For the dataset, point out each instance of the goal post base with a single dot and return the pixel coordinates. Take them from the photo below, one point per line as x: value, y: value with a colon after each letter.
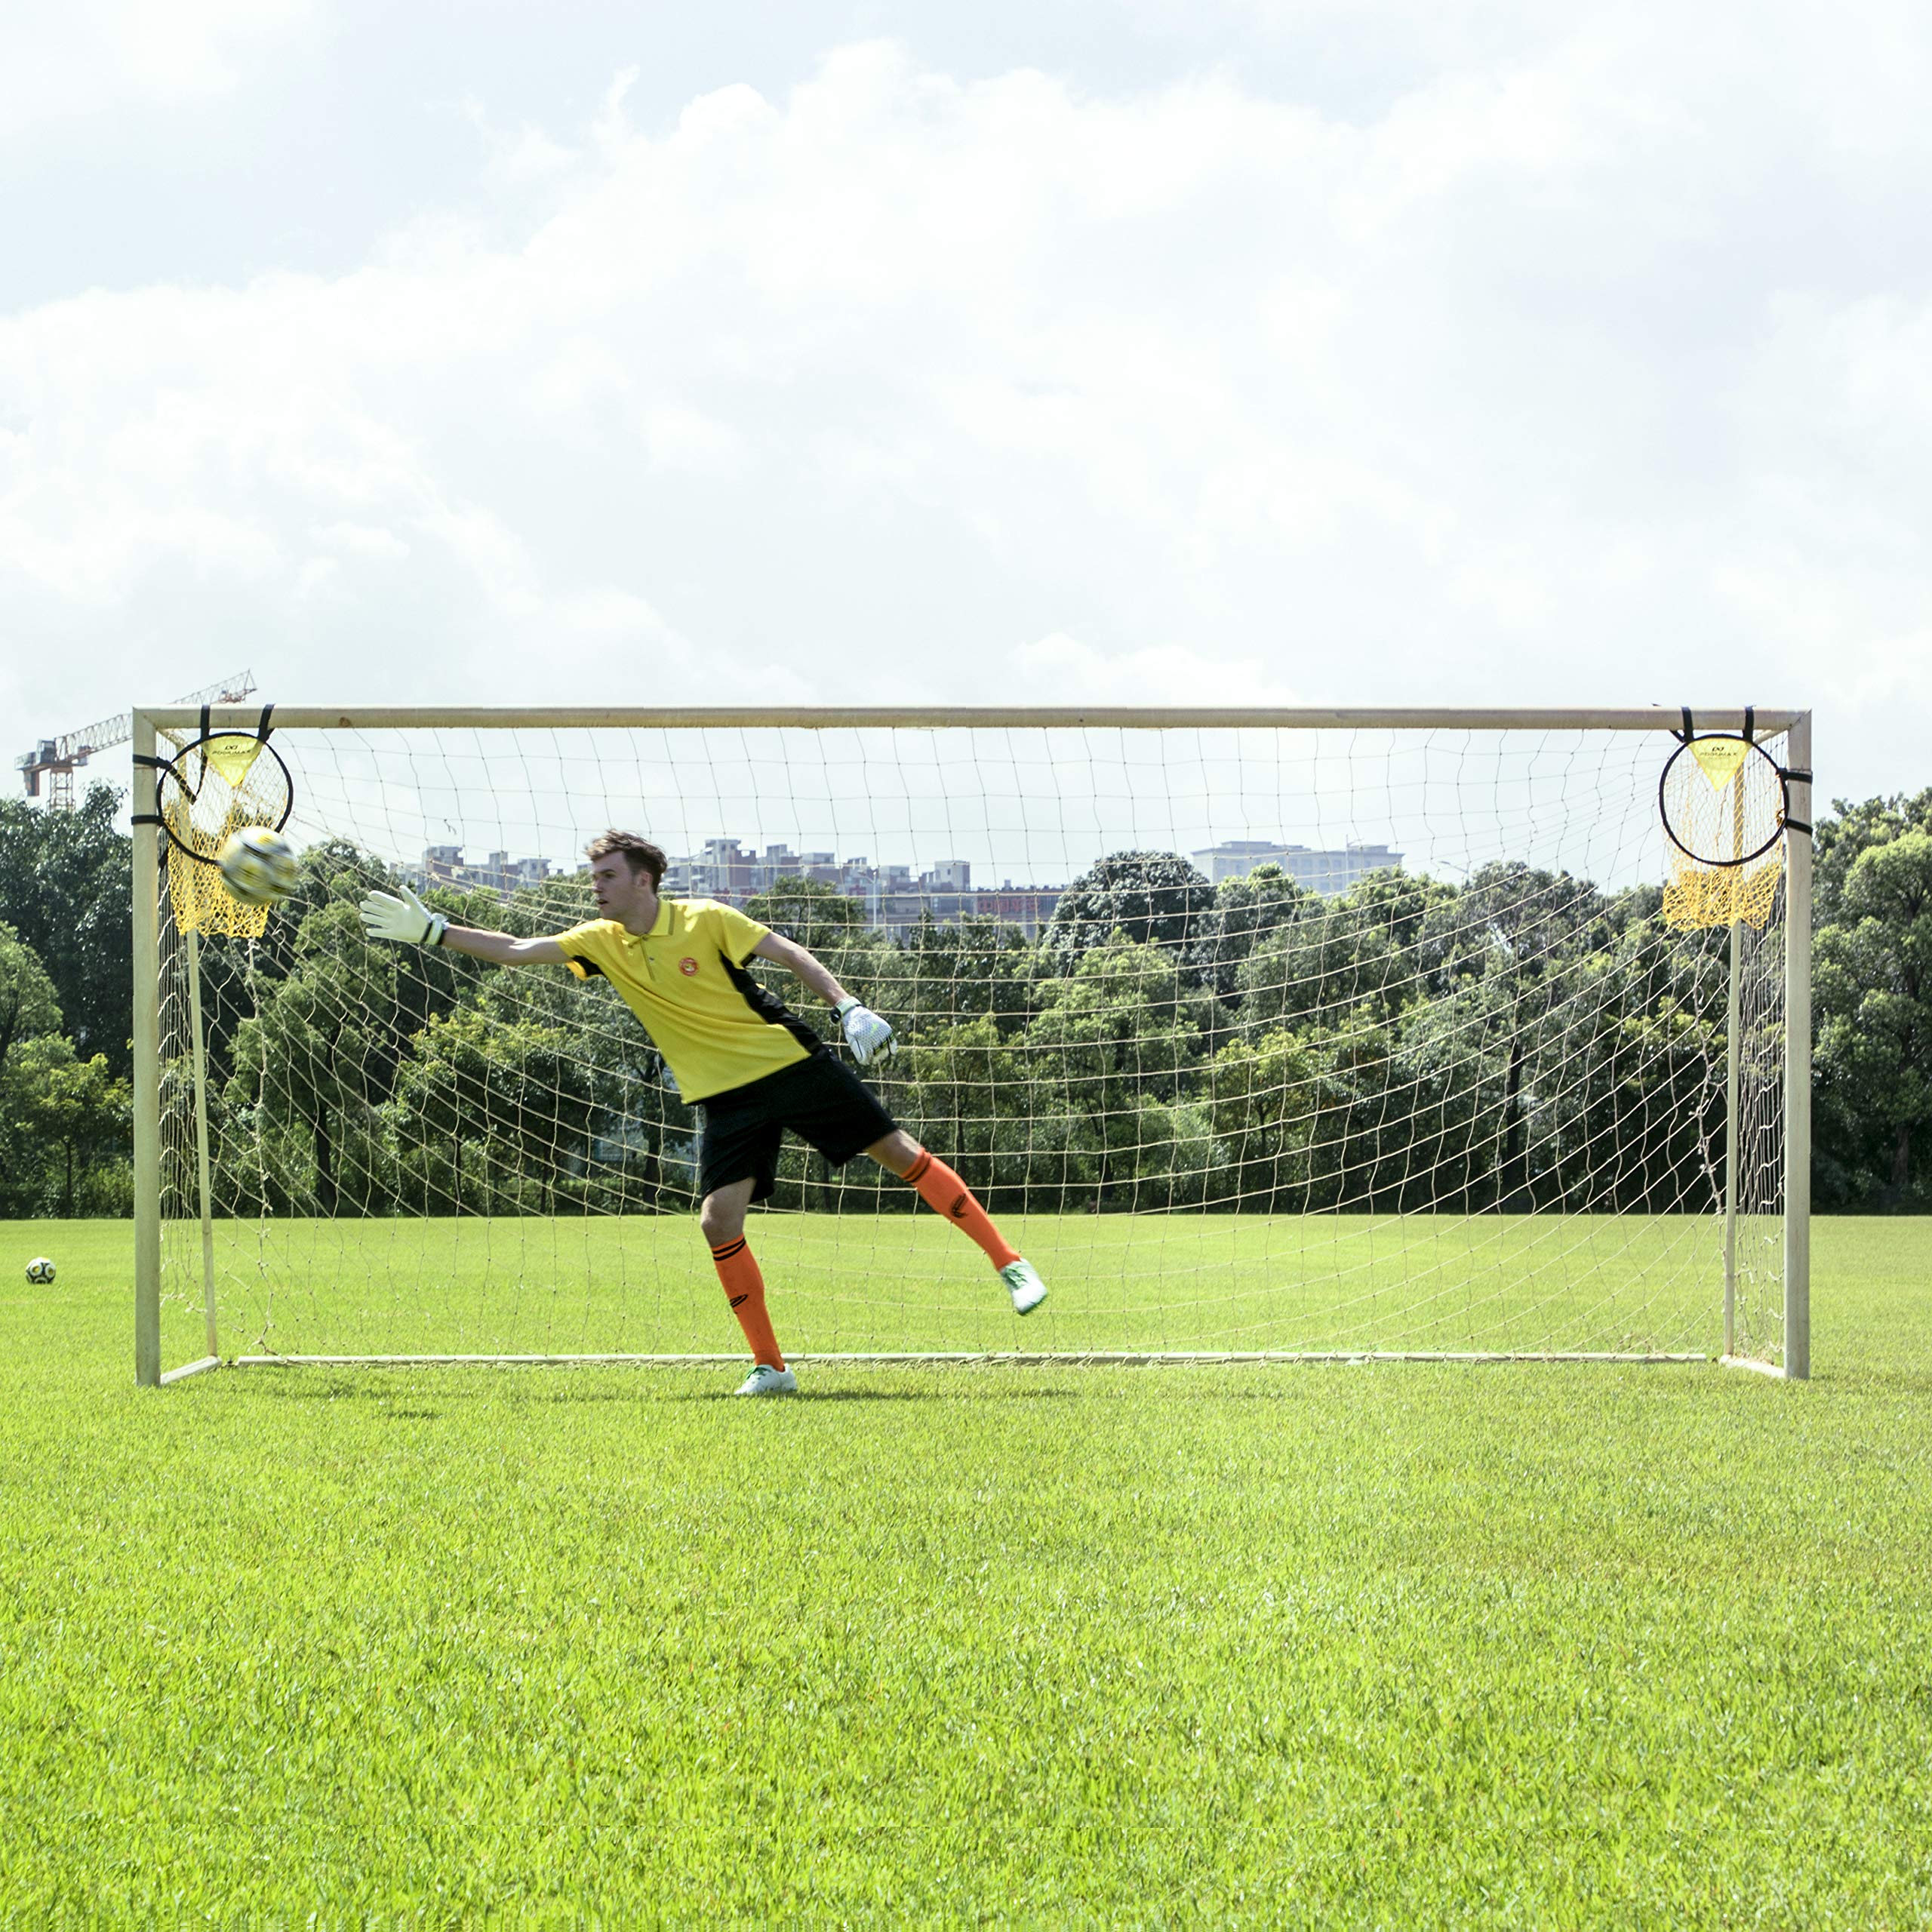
x: 189, y: 1368
x: 1775, y: 1369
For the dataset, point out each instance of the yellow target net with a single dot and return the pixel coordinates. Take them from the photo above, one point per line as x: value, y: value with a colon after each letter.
x: 1722, y: 797
x: 212, y: 787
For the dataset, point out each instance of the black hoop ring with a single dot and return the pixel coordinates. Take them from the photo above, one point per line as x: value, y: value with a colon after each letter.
x: 1751, y: 745
x: 164, y: 770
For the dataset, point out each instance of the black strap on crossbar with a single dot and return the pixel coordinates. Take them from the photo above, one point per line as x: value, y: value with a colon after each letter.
x: 262, y: 729
x: 1749, y: 733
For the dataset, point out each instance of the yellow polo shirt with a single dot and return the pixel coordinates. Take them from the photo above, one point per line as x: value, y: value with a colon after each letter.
x: 686, y: 980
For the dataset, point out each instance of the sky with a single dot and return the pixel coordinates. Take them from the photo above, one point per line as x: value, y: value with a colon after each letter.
x: 1325, y: 352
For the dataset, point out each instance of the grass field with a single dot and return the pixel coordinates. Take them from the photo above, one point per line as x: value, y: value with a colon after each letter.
x: 1390, y: 1644
x: 873, y: 1283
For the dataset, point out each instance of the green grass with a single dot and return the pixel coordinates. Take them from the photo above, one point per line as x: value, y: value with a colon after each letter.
x: 1390, y: 1644
x: 870, y: 1283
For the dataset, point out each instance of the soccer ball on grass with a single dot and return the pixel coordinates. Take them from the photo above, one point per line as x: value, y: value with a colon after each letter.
x: 40, y: 1271
x: 259, y: 866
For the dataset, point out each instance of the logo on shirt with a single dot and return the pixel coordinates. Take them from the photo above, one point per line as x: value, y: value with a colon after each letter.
x: 688, y: 967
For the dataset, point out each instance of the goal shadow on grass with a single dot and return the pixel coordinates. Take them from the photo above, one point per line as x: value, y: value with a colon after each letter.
x: 981, y: 1392
x: 458, y: 1390
x: 464, y: 1388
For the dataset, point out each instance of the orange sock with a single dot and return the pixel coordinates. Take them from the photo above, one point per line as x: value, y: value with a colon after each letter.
x: 744, y: 1288
x: 943, y: 1191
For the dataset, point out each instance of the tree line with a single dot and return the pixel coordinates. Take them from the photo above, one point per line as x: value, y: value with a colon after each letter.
x: 1520, y: 1041
x: 66, y: 1009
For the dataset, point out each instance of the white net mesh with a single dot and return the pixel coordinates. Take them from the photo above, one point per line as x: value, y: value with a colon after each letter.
x: 1262, y: 1040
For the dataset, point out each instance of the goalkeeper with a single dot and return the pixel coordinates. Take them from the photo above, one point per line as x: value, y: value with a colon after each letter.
x: 752, y: 1066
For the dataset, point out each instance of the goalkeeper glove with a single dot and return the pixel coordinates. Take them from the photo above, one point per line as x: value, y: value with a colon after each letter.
x: 407, y: 920
x: 868, y: 1035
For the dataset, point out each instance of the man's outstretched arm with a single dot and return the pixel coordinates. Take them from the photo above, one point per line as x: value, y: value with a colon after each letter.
x: 794, y: 958
x: 407, y: 921
x: 868, y: 1036
x: 500, y: 949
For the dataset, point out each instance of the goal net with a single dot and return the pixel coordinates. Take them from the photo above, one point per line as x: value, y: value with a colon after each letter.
x: 1260, y: 1034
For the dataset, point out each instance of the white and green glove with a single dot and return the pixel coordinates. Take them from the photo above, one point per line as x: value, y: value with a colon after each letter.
x: 407, y: 920
x: 866, y: 1034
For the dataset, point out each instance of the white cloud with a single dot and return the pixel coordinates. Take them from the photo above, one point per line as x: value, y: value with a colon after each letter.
x: 1060, y: 669
x: 1574, y: 375
x: 360, y: 539
x: 679, y: 438
x: 526, y: 158
x: 91, y: 57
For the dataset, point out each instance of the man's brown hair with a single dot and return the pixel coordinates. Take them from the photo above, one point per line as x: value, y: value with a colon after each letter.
x: 639, y: 853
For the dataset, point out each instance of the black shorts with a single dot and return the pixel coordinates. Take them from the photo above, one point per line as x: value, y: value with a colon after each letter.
x: 821, y: 1099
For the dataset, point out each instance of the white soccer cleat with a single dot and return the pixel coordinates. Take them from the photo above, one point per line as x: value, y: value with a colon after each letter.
x: 766, y: 1380
x: 1028, y: 1290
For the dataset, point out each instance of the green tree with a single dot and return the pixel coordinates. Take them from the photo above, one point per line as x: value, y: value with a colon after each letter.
x: 29, y: 1005
x: 1084, y: 1105
x: 1516, y: 934
x: 81, y: 1108
x: 66, y: 888
x: 818, y: 916
x: 1102, y: 1066
x: 1872, y: 994
x: 1381, y: 944
x: 520, y: 1092
x: 25, y: 1159
x: 320, y: 1054
x: 1153, y: 898
x: 1360, y: 1140
x: 1261, y: 1096
x: 238, y: 978
x: 942, y: 974
x: 31, y: 1044
x: 1567, y: 1073
x: 1254, y: 909
x: 959, y: 1086
x: 1851, y: 831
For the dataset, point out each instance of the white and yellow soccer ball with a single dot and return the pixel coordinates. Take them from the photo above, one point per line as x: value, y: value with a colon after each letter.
x: 259, y: 866
x: 40, y: 1271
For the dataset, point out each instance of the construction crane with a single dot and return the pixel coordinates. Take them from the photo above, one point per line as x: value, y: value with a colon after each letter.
x: 54, y: 758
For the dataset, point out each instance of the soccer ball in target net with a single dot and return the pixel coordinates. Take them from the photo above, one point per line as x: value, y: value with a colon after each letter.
x: 212, y: 792
x: 259, y: 866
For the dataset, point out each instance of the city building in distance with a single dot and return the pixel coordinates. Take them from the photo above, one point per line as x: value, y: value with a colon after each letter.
x: 1327, y: 872
x: 895, y: 898
x: 443, y: 865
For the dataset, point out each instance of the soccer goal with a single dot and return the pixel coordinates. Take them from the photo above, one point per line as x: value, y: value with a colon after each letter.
x: 1265, y: 1034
